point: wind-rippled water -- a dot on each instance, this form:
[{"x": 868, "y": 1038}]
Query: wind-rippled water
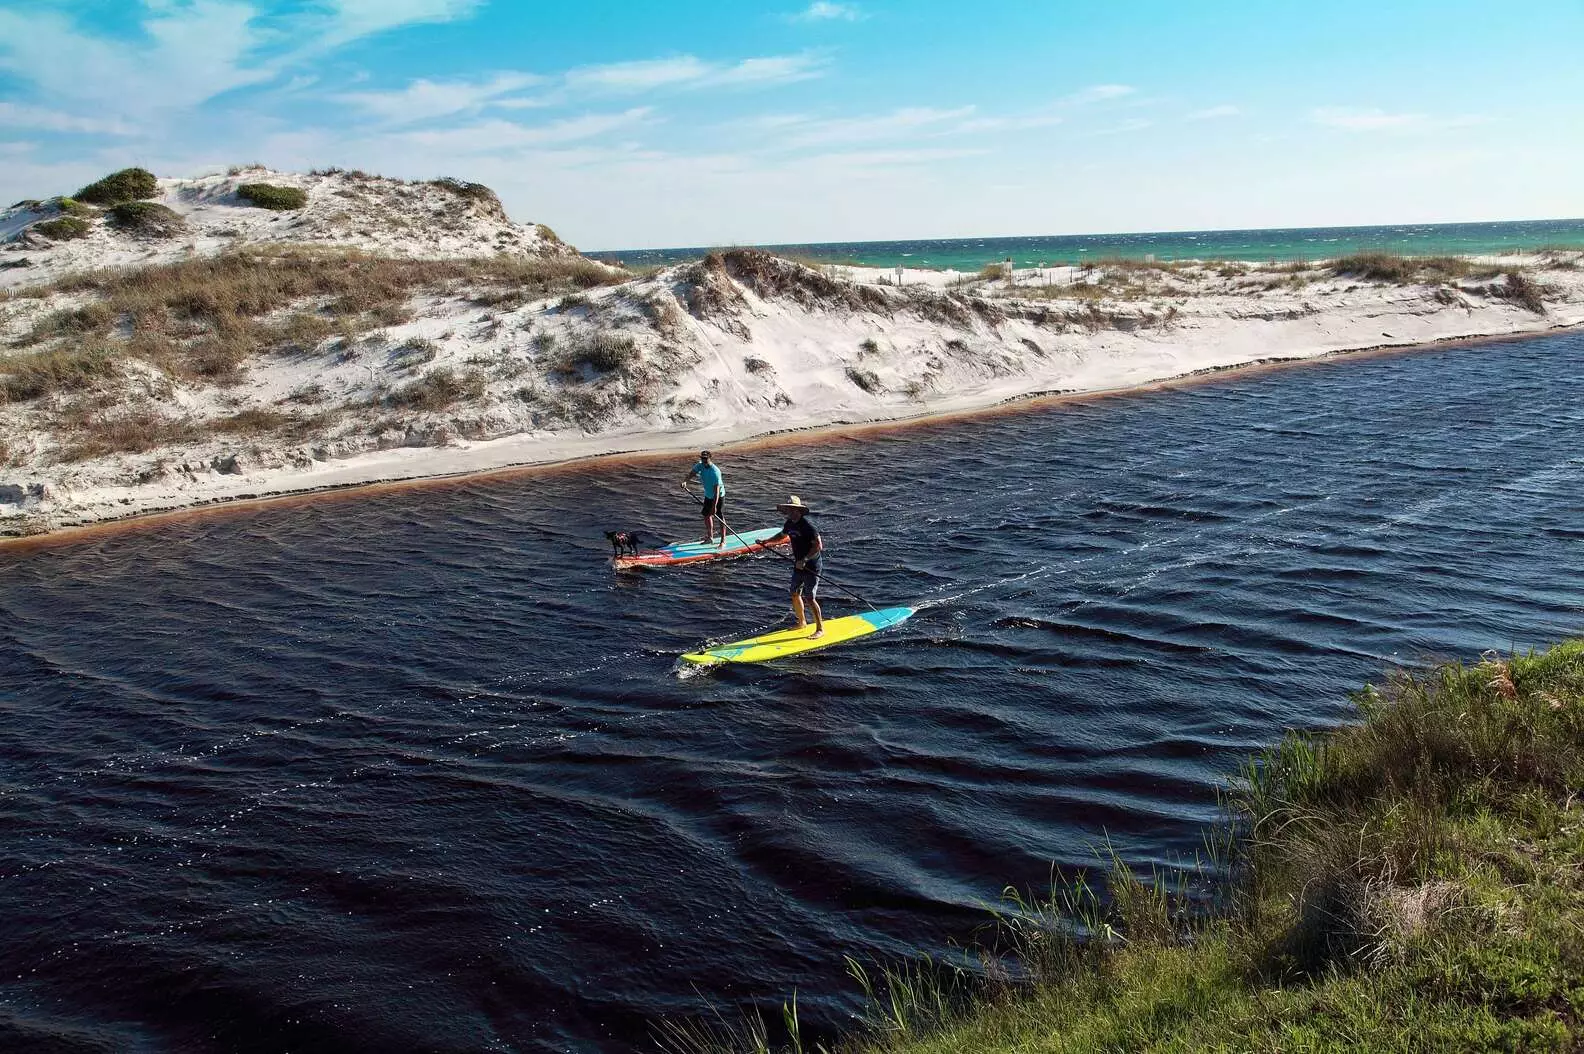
[{"x": 413, "y": 771}]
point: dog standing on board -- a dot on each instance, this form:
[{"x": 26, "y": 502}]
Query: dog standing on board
[{"x": 624, "y": 543}]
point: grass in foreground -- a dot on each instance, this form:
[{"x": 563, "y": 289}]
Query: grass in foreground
[{"x": 1411, "y": 883}]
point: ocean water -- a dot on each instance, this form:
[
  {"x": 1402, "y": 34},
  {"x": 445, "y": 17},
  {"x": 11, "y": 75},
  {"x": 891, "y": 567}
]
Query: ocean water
[
  {"x": 416, "y": 771},
  {"x": 1298, "y": 243}
]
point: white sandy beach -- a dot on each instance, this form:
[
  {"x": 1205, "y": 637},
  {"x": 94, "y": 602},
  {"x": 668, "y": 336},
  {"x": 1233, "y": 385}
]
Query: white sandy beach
[{"x": 745, "y": 347}]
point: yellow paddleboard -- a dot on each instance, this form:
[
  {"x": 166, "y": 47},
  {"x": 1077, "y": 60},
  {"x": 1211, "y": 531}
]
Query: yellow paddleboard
[{"x": 785, "y": 642}]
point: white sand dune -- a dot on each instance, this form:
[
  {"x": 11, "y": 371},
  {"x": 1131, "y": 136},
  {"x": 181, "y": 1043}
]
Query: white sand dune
[{"x": 741, "y": 346}]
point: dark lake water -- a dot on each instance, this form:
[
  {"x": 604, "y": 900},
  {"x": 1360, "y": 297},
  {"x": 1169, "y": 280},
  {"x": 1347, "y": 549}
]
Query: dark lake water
[{"x": 413, "y": 771}]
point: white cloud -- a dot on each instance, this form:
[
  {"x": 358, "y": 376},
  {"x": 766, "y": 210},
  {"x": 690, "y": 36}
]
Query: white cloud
[
  {"x": 348, "y": 20},
  {"x": 424, "y": 100},
  {"x": 887, "y": 158},
  {"x": 900, "y": 122},
  {"x": 1375, "y": 120},
  {"x": 498, "y": 136},
  {"x": 821, "y": 11},
  {"x": 1214, "y": 112},
  {"x": 186, "y": 54},
  {"x": 14, "y": 115},
  {"x": 779, "y": 69},
  {"x": 1099, "y": 93},
  {"x": 1133, "y": 124},
  {"x": 687, "y": 71},
  {"x": 1008, "y": 124},
  {"x": 189, "y": 55}
]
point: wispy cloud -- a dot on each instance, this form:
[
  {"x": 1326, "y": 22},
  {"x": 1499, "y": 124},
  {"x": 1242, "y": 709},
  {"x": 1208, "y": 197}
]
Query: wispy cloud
[
  {"x": 349, "y": 20},
  {"x": 1009, "y": 124},
  {"x": 821, "y": 11},
  {"x": 1099, "y": 93},
  {"x": 424, "y": 100},
  {"x": 1133, "y": 124},
  {"x": 13, "y": 115},
  {"x": 1214, "y": 112},
  {"x": 688, "y": 71},
  {"x": 183, "y": 55},
  {"x": 499, "y": 136},
  {"x": 1374, "y": 120},
  {"x": 902, "y": 122},
  {"x": 796, "y": 131}
]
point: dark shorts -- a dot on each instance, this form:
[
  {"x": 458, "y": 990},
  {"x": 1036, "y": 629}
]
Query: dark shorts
[
  {"x": 714, "y": 506},
  {"x": 806, "y": 582}
]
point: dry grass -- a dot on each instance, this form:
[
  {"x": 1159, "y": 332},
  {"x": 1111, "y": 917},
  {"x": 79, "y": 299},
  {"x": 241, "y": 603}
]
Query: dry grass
[
  {"x": 868, "y": 380},
  {"x": 598, "y": 352},
  {"x": 1407, "y": 270},
  {"x": 1521, "y": 289},
  {"x": 24, "y": 377},
  {"x": 94, "y": 432},
  {"x": 202, "y": 318},
  {"x": 439, "y": 389}
]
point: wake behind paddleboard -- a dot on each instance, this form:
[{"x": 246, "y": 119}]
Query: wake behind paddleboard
[
  {"x": 785, "y": 642},
  {"x": 692, "y": 552}
]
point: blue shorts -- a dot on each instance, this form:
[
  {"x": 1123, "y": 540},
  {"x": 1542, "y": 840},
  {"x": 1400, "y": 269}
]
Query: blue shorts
[{"x": 805, "y": 582}]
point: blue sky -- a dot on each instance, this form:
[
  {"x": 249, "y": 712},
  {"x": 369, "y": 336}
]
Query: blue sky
[{"x": 690, "y": 123}]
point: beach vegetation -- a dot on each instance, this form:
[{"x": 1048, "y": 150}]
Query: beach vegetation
[
  {"x": 200, "y": 319},
  {"x": 868, "y": 380},
  {"x": 270, "y": 196},
  {"x": 868, "y": 346},
  {"x": 1411, "y": 882},
  {"x": 129, "y": 184},
  {"x": 147, "y": 218},
  {"x": 96, "y": 427},
  {"x": 754, "y": 364},
  {"x": 1521, "y": 289},
  {"x": 64, "y": 228},
  {"x": 415, "y": 352},
  {"x": 463, "y": 189},
  {"x": 438, "y": 389},
  {"x": 33, "y": 374},
  {"x": 992, "y": 272},
  {"x": 1405, "y": 270},
  {"x": 599, "y": 353},
  {"x": 73, "y": 207}
]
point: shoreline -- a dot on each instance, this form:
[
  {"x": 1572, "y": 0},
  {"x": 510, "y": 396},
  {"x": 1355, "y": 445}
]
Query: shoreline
[{"x": 666, "y": 445}]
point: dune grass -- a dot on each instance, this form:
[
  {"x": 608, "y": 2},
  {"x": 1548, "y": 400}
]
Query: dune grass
[
  {"x": 270, "y": 196},
  {"x": 1414, "y": 882},
  {"x": 200, "y": 319},
  {"x": 1406, "y": 270}
]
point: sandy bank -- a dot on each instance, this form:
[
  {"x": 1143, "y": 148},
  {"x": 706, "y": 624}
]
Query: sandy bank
[{"x": 476, "y": 367}]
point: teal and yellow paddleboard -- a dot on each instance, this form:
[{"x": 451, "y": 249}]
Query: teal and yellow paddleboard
[{"x": 785, "y": 642}]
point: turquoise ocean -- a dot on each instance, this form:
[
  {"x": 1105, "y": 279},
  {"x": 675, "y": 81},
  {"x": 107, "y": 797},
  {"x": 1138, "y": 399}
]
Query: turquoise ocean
[{"x": 1281, "y": 244}]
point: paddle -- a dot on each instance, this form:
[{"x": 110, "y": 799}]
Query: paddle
[{"x": 761, "y": 546}]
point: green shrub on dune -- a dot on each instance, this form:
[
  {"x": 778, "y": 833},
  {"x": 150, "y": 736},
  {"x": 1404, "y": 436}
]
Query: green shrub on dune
[
  {"x": 270, "y": 196},
  {"x": 129, "y": 184},
  {"x": 63, "y": 229},
  {"x": 147, "y": 218}
]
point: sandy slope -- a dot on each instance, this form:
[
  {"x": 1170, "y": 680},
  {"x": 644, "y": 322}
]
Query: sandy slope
[{"x": 739, "y": 347}]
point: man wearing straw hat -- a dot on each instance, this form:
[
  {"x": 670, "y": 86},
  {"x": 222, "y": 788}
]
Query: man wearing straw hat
[{"x": 806, "y": 549}]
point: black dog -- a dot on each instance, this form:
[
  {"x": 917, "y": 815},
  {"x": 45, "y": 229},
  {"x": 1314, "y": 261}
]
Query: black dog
[{"x": 624, "y": 542}]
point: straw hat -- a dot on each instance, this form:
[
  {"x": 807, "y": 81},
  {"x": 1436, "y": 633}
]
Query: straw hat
[{"x": 794, "y": 502}]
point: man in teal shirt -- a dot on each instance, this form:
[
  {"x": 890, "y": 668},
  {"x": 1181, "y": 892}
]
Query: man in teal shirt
[{"x": 709, "y": 476}]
